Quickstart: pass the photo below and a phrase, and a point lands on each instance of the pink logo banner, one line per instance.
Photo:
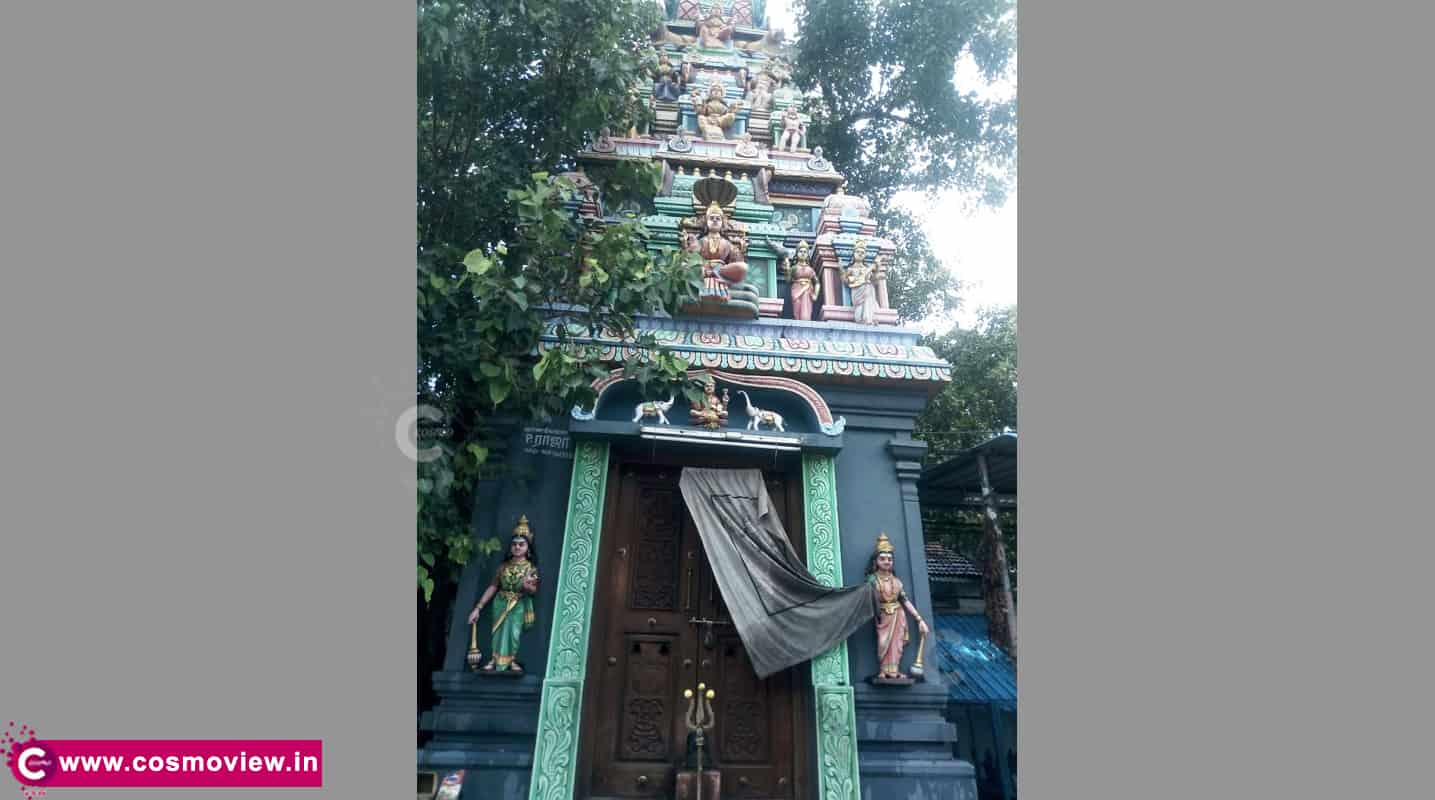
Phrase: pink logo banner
(167, 763)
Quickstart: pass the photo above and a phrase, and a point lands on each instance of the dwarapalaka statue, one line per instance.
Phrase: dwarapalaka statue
(892, 634)
(515, 583)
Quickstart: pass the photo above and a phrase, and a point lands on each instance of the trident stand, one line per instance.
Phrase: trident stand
(699, 719)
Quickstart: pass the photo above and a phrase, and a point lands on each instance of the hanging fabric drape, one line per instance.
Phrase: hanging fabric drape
(783, 615)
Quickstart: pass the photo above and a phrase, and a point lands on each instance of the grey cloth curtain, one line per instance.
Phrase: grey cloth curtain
(783, 615)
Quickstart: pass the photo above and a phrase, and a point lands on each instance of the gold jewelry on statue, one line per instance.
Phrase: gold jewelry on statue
(884, 545)
(521, 529)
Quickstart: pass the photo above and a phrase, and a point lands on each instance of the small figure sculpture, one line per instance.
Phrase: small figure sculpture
(663, 67)
(515, 582)
(680, 143)
(711, 412)
(715, 115)
(745, 147)
(859, 276)
(817, 163)
(792, 129)
(892, 634)
(655, 408)
(666, 88)
(714, 32)
(762, 87)
(803, 288)
(757, 417)
(605, 143)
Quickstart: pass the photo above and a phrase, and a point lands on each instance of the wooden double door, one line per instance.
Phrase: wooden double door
(651, 639)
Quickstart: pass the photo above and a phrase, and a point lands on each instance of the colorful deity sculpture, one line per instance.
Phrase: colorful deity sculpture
(892, 633)
(803, 288)
(792, 129)
(762, 87)
(715, 115)
(861, 281)
(722, 243)
(714, 32)
(711, 412)
(514, 583)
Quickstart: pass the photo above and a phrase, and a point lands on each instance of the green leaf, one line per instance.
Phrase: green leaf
(490, 370)
(476, 262)
(519, 299)
(498, 391)
(479, 453)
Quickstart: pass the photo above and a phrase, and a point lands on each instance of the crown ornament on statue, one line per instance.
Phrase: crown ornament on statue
(884, 545)
(521, 529)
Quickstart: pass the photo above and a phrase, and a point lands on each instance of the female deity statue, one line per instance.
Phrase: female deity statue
(791, 135)
(515, 583)
(860, 277)
(892, 635)
(724, 262)
(802, 282)
(714, 32)
(715, 115)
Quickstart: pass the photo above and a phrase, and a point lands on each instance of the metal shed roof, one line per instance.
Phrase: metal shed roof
(977, 671)
(947, 482)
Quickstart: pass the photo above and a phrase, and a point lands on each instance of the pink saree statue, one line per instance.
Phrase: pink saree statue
(892, 633)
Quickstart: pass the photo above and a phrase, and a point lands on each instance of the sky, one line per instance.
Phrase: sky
(978, 247)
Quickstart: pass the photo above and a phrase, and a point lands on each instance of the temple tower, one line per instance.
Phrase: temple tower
(809, 379)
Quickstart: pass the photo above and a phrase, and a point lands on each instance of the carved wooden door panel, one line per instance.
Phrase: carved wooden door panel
(653, 580)
(756, 732)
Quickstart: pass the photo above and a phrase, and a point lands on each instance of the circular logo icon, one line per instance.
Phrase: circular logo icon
(34, 763)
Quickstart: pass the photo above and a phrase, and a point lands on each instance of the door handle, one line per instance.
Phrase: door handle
(652, 622)
(687, 663)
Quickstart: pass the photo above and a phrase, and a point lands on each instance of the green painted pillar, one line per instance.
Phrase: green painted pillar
(555, 753)
(835, 714)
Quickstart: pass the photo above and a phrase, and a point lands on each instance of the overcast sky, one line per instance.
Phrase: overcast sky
(979, 247)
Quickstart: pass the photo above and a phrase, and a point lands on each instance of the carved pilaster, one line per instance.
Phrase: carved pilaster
(555, 754)
(838, 777)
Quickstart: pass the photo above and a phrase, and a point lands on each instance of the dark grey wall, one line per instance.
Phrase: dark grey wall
(535, 483)
(872, 498)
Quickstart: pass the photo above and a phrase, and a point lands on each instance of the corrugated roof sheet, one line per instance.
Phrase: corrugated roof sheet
(977, 671)
(960, 475)
(946, 564)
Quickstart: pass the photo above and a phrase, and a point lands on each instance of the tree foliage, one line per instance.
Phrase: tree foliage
(878, 78)
(980, 402)
(508, 91)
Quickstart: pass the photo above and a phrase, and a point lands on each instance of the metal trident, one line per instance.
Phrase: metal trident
(700, 719)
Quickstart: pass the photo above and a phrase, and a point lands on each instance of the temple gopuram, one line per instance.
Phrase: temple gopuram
(602, 658)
